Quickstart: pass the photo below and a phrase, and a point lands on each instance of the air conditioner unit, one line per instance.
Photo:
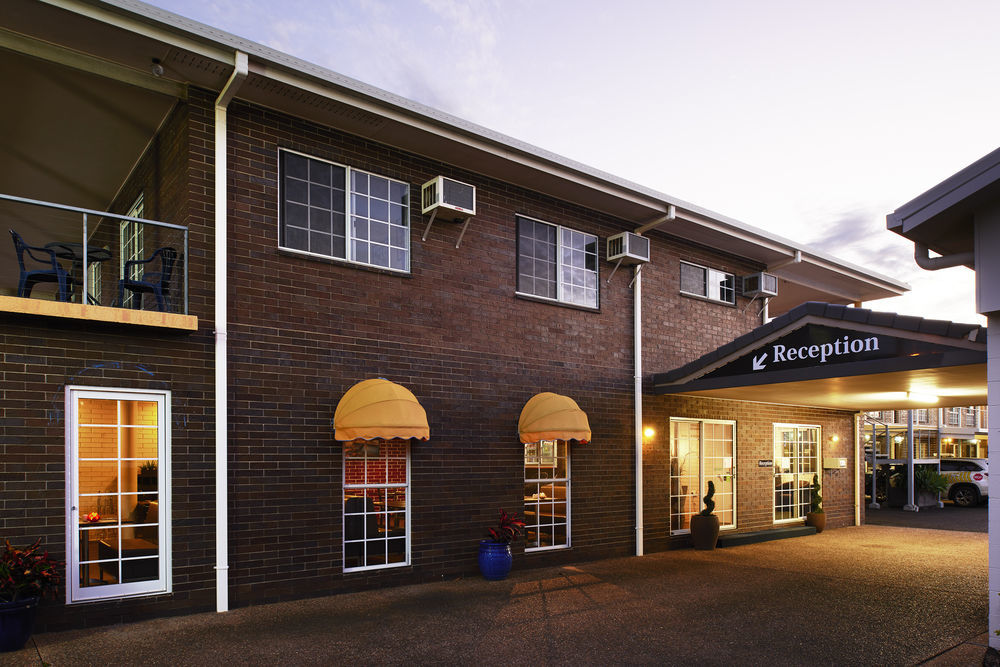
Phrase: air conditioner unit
(760, 284)
(448, 199)
(629, 248)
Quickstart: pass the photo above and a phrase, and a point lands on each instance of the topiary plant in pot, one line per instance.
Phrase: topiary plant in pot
(495, 557)
(705, 525)
(816, 517)
(25, 577)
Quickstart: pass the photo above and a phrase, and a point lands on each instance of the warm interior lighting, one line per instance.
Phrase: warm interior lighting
(898, 439)
(648, 432)
(919, 397)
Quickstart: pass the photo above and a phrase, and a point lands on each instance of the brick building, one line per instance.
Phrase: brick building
(290, 200)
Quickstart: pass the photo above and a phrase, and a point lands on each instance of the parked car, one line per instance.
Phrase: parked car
(967, 480)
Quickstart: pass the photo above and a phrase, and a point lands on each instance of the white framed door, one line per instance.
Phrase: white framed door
(702, 451)
(796, 460)
(117, 493)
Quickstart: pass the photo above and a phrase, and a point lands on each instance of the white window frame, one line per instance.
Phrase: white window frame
(702, 483)
(131, 247)
(539, 481)
(818, 467)
(560, 285)
(713, 280)
(348, 215)
(344, 486)
(75, 593)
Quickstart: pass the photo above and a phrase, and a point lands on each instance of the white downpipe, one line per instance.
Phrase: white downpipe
(637, 342)
(221, 334)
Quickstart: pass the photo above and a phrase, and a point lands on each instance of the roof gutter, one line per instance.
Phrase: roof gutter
(921, 255)
(240, 71)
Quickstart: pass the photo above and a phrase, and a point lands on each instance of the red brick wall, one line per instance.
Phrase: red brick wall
(754, 441)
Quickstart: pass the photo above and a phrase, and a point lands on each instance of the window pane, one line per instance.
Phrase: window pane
(378, 221)
(312, 193)
(693, 279)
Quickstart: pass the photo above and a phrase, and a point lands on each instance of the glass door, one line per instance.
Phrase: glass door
(796, 460)
(702, 451)
(117, 507)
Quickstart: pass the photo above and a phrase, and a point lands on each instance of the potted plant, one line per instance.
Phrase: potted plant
(705, 525)
(146, 479)
(929, 484)
(816, 517)
(495, 557)
(25, 577)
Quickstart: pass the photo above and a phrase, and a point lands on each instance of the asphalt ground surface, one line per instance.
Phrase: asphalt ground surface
(869, 595)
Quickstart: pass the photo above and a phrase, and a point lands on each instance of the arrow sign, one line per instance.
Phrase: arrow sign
(758, 362)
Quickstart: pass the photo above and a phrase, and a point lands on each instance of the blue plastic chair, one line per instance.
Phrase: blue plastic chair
(52, 273)
(156, 283)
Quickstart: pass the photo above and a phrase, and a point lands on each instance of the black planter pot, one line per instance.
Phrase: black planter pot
(16, 620)
(704, 531)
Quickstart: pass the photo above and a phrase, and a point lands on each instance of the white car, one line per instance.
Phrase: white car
(967, 480)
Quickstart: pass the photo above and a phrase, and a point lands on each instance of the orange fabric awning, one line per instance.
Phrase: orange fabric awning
(549, 416)
(379, 409)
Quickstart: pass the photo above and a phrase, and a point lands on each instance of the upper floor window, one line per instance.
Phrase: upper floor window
(556, 263)
(336, 211)
(708, 283)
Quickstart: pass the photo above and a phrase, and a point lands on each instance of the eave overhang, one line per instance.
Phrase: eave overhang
(127, 35)
(920, 358)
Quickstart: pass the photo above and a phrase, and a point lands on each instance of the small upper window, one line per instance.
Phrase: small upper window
(708, 283)
(556, 263)
(318, 198)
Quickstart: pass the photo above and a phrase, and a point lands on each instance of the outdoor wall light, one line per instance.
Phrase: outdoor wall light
(898, 439)
(834, 438)
(648, 432)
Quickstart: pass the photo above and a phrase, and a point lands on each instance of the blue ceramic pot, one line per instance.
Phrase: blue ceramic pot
(16, 619)
(495, 560)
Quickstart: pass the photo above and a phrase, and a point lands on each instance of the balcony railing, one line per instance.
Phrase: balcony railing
(111, 260)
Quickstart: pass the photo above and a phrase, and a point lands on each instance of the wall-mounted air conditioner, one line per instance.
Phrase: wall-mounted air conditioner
(760, 284)
(629, 248)
(448, 199)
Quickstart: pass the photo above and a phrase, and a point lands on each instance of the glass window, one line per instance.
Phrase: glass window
(796, 460)
(376, 504)
(709, 283)
(702, 451)
(317, 200)
(556, 263)
(118, 503)
(546, 494)
(131, 249)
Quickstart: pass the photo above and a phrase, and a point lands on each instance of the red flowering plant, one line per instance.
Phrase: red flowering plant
(26, 573)
(509, 528)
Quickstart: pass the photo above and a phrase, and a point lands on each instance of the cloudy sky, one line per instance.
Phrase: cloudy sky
(812, 120)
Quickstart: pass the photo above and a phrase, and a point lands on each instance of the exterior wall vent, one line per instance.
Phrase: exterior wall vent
(629, 248)
(760, 284)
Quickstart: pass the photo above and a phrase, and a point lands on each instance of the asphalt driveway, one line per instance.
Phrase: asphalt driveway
(873, 594)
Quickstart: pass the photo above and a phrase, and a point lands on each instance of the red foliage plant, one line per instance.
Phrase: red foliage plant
(509, 528)
(26, 573)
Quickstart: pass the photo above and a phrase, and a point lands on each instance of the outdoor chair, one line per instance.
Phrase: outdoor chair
(52, 273)
(156, 283)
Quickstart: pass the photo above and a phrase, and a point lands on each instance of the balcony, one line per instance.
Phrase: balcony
(94, 265)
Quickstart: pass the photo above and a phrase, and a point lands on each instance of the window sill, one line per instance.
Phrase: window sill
(553, 302)
(336, 261)
(698, 297)
(78, 311)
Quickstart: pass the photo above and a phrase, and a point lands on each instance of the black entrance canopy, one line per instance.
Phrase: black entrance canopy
(833, 356)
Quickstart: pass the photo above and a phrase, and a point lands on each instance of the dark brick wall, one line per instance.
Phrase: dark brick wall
(303, 330)
(39, 357)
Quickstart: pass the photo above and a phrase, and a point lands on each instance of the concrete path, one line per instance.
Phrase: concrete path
(870, 595)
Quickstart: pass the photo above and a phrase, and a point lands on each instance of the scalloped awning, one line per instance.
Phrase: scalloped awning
(379, 409)
(549, 416)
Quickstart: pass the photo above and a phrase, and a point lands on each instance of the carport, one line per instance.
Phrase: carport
(838, 357)
(959, 218)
